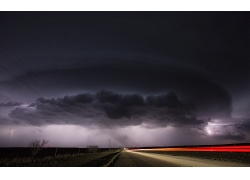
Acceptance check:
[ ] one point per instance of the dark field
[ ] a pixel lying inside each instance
(58, 157)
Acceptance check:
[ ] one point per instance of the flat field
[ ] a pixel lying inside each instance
(97, 159)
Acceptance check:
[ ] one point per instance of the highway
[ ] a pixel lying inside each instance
(142, 159)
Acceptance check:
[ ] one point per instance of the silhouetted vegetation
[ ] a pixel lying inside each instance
(36, 146)
(92, 149)
(66, 157)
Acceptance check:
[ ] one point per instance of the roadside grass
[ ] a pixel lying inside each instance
(66, 160)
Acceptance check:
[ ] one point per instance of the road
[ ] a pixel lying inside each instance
(142, 159)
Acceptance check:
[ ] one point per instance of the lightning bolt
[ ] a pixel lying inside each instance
(11, 133)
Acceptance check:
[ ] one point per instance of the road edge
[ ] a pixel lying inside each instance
(113, 160)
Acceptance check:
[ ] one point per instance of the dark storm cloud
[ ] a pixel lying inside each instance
(37, 130)
(109, 109)
(191, 85)
(216, 42)
(10, 104)
(3, 98)
(6, 121)
(195, 93)
(200, 56)
(201, 59)
(244, 124)
(66, 100)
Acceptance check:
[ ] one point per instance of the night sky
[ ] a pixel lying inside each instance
(134, 78)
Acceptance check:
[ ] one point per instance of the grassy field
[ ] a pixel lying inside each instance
(98, 159)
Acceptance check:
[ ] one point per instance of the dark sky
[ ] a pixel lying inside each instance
(136, 78)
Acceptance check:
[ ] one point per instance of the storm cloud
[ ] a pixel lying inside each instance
(166, 73)
(11, 104)
(145, 78)
(108, 109)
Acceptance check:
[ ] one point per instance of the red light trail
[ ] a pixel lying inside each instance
(231, 148)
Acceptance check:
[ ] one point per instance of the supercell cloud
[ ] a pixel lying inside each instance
(108, 109)
(137, 78)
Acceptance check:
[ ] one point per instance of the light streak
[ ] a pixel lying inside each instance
(209, 131)
(230, 148)
(11, 133)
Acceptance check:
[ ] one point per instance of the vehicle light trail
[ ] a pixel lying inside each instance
(231, 148)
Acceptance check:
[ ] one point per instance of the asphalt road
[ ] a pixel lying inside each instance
(142, 159)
